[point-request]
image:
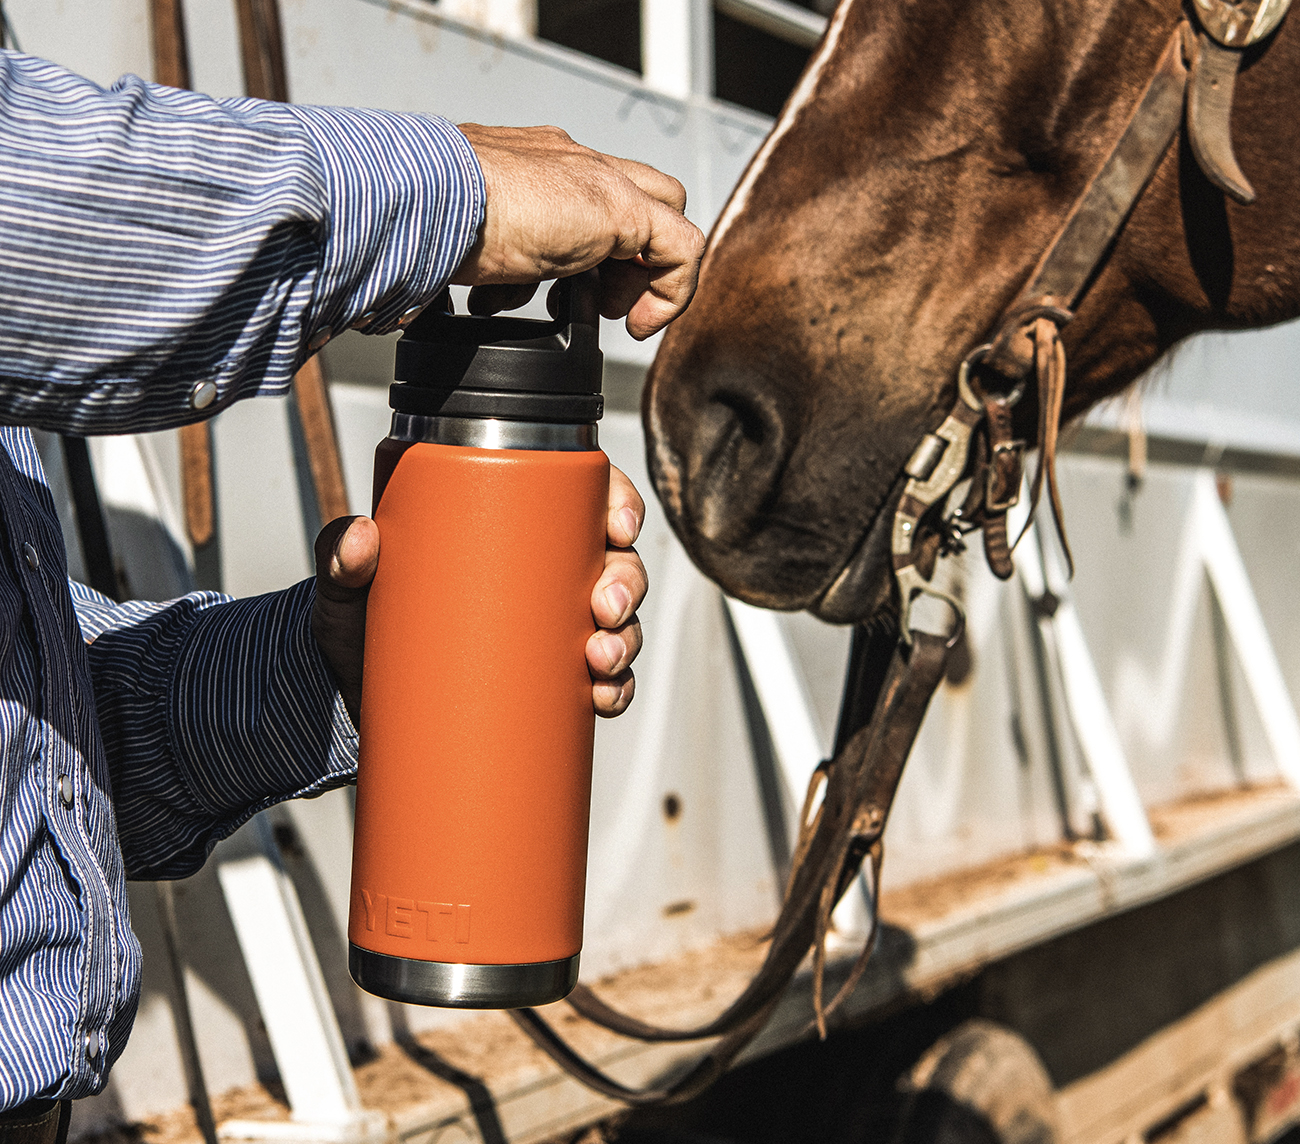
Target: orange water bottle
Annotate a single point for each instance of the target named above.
(473, 796)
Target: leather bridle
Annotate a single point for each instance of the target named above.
(892, 678)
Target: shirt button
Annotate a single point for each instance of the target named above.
(320, 337)
(92, 1044)
(66, 790)
(410, 316)
(203, 394)
(362, 322)
(32, 556)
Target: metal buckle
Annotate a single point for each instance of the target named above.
(991, 503)
(1240, 24)
(912, 587)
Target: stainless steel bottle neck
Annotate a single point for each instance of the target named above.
(493, 433)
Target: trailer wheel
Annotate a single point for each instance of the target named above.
(979, 1084)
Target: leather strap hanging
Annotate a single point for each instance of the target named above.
(847, 825)
(1227, 27)
(171, 66)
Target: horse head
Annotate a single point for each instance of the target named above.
(923, 163)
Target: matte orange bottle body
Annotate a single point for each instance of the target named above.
(473, 795)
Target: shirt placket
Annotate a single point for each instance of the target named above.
(67, 782)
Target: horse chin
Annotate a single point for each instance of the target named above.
(864, 586)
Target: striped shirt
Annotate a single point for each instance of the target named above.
(151, 242)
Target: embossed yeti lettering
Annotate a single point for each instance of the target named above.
(375, 905)
(399, 921)
(445, 921)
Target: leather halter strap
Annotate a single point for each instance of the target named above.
(1026, 339)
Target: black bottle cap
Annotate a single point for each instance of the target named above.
(518, 369)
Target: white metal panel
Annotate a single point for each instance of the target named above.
(516, 18)
(99, 39)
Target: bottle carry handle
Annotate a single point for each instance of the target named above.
(573, 300)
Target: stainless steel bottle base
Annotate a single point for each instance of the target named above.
(452, 986)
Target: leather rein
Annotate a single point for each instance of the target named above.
(891, 678)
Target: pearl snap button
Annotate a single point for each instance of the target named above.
(66, 791)
(362, 322)
(32, 557)
(203, 394)
(320, 337)
(410, 316)
(92, 1044)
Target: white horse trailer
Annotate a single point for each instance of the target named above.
(1091, 895)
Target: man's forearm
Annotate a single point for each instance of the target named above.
(210, 710)
(152, 240)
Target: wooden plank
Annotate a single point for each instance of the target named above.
(1203, 1051)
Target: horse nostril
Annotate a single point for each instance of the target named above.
(749, 417)
(739, 451)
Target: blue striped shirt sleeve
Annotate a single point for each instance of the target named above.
(210, 709)
(154, 239)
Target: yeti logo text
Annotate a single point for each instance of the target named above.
(406, 917)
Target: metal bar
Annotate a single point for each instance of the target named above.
(314, 419)
(778, 814)
(1121, 807)
(261, 49)
(92, 532)
(202, 514)
(1227, 572)
(666, 46)
(290, 991)
(171, 60)
(787, 711)
(780, 688)
(164, 894)
(1099, 441)
(777, 18)
(1034, 606)
(7, 37)
(1227, 696)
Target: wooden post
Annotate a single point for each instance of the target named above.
(261, 43)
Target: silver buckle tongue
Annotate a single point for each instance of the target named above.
(933, 470)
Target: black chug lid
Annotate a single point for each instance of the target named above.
(517, 369)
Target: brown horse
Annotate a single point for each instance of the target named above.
(923, 163)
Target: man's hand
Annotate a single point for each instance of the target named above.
(347, 554)
(555, 208)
